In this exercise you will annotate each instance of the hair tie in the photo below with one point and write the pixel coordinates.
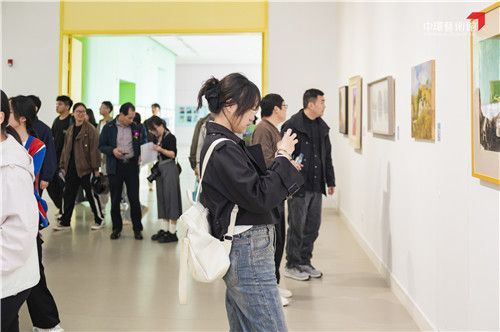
(212, 97)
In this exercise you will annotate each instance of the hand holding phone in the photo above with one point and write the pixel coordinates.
(299, 159)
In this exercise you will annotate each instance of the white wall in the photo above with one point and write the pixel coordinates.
(30, 36)
(302, 56)
(415, 203)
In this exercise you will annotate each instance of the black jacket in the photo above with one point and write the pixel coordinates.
(296, 123)
(107, 143)
(49, 166)
(237, 174)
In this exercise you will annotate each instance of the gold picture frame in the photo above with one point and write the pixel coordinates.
(485, 96)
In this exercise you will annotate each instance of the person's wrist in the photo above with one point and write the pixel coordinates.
(284, 153)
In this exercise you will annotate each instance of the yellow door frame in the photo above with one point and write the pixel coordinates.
(242, 21)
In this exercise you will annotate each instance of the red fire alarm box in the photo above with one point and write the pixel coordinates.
(10, 62)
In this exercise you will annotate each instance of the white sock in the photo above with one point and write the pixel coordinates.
(172, 228)
(164, 224)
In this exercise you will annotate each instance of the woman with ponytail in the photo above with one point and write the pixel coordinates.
(18, 224)
(41, 304)
(23, 110)
(236, 175)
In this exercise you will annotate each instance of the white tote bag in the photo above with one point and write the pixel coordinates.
(206, 257)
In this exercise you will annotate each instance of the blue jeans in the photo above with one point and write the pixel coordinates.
(253, 301)
(304, 219)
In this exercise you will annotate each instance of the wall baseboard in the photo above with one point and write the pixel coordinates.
(402, 295)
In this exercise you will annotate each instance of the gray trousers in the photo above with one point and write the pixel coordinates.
(304, 220)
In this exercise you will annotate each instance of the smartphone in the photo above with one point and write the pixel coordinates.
(299, 158)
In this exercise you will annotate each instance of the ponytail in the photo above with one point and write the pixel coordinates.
(23, 106)
(211, 91)
(233, 89)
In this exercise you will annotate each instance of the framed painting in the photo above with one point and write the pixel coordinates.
(354, 102)
(381, 106)
(423, 105)
(485, 96)
(343, 116)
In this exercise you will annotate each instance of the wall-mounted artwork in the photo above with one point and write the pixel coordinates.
(354, 100)
(343, 112)
(423, 106)
(485, 96)
(381, 106)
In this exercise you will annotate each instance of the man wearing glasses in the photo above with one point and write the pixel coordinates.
(273, 112)
(121, 141)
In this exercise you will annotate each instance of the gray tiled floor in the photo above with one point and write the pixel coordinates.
(125, 285)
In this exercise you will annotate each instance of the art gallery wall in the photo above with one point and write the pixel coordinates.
(414, 203)
(34, 47)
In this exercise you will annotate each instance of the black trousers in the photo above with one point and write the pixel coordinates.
(280, 239)
(10, 310)
(55, 190)
(71, 189)
(126, 173)
(41, 304)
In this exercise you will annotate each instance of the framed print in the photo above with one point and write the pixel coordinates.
(354, 100)
(485, 96)
(423, 106)
(343, 116)
(381, 106)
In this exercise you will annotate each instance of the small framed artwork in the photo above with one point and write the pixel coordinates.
(423, 105)
(354, 102)
(343, 116)
(381, 106)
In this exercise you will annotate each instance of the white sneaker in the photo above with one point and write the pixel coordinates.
(60, 227)
(285, 301)
(56, 328)
(285, 292)
(97, 226)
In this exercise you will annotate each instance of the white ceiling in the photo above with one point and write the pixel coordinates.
(243, 48)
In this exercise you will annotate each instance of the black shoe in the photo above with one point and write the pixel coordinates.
(168, 237)
(156, 236)
(115, 235)
(138, 235)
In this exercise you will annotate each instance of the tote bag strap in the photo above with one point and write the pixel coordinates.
(205, 163)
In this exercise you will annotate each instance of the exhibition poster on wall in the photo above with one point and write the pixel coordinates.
(485, 96)
(188, 116)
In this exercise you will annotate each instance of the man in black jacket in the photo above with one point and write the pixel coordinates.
(44, 133)
(59, 128)
(121, 141)
(304, 208)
